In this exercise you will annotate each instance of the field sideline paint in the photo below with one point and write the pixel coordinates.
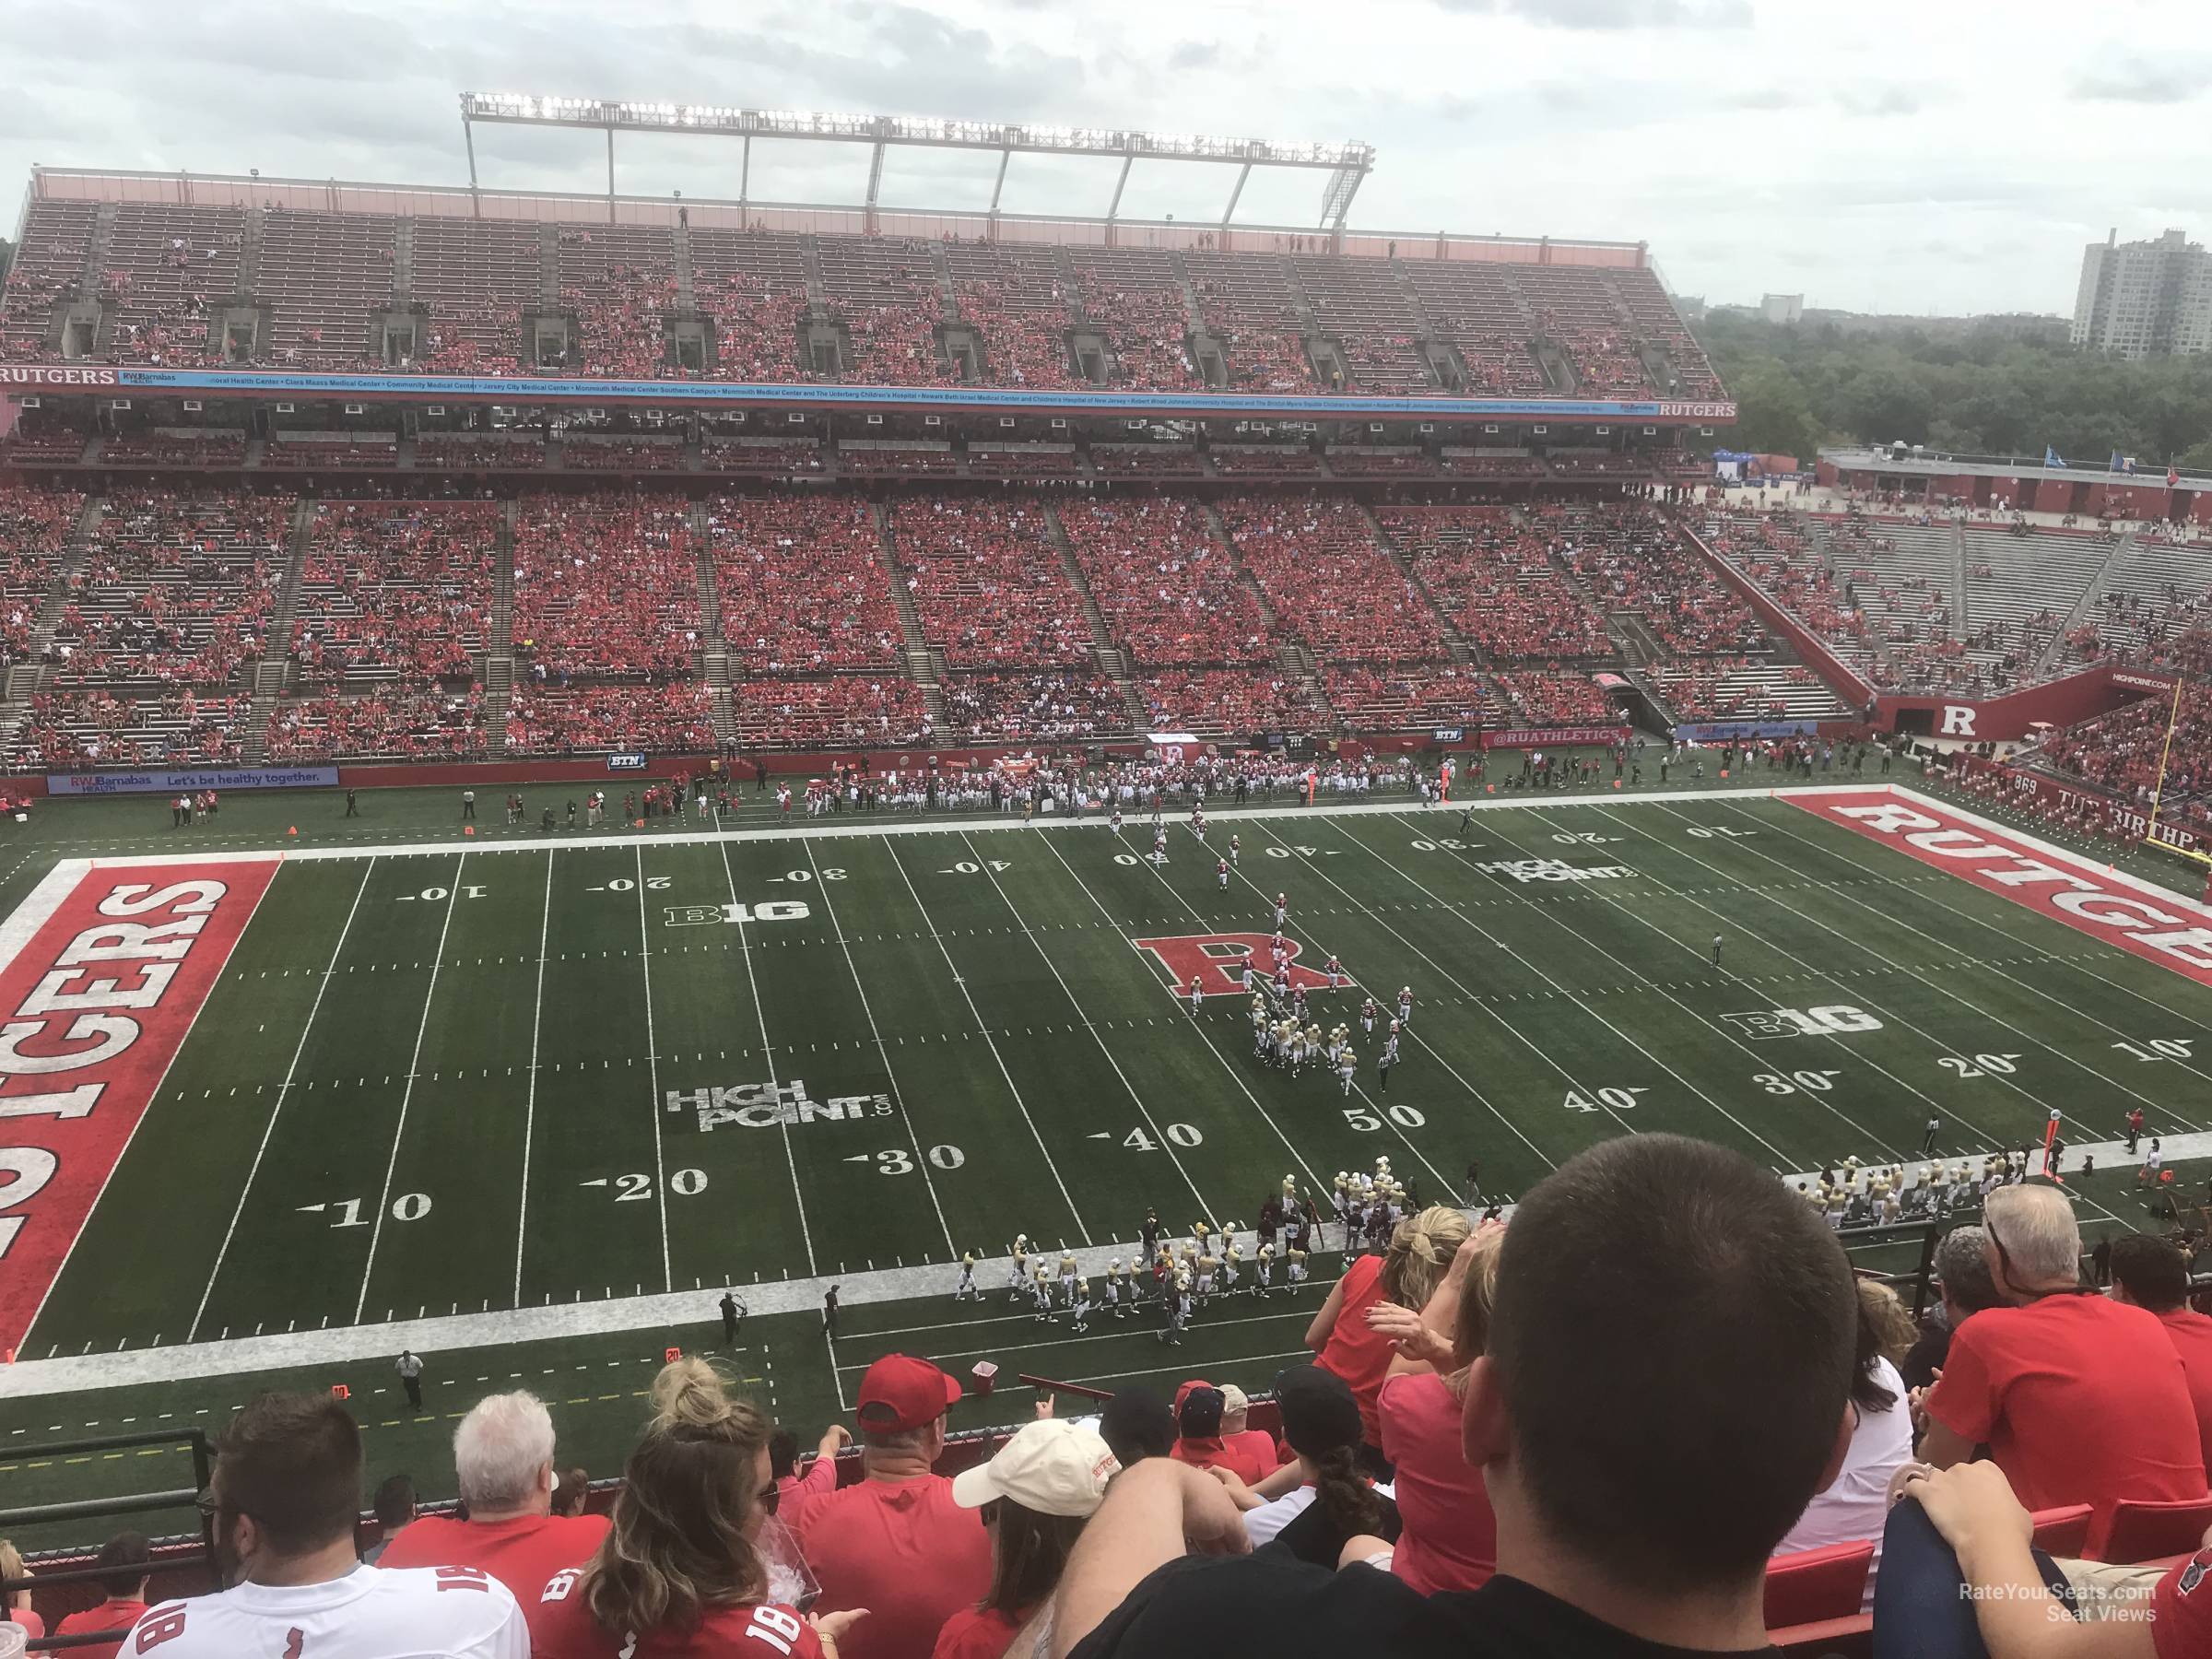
(94, 1007)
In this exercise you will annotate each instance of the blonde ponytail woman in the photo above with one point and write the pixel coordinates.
(680, 1574)
(1407, 1275)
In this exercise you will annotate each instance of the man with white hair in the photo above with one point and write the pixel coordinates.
(503, 1463)
(2080, 1400)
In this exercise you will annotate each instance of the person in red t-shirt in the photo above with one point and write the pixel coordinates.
(126, 1556)
(683, 1573)
(1344, 1342)
(1256, 1443)
(1200, 1442)
(1034, 1496)
(2079, 1400)
(896, 1542)
(1976, 1510)
(503, 1458)
(822, 1474)
(2149, 1273)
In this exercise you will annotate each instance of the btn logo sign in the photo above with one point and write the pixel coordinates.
(1217, 962)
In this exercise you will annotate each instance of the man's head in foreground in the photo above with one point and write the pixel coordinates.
(1666, 1378)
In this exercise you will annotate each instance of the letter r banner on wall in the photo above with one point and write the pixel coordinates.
(113, 963)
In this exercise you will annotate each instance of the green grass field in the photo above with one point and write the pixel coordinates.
(476, 1081)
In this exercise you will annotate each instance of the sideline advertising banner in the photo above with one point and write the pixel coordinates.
(192, 780)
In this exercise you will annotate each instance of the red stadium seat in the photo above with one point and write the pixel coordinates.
(2064, 1530)
(2141, 1531)
(1817, 1584)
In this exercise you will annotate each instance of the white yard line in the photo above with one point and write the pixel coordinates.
(1943, 991)
(768, 1058)
(406, 1095)
(1379, 1112)
(983, 1029)
(283, 1089)
(537, 1011)
(1266, 1117)
(160, 1084)
(1137, 1099)
(653, 1071)
(661, 1317)
(39, 905)
(1868, 1137)
(1849, 861)
(883, 1053)
(892, 825)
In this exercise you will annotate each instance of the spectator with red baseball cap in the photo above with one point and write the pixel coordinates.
(896, 1541)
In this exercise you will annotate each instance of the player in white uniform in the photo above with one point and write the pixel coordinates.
(1112, 1289)
(1082, 1305)
(1235, 847)
(1347, 1068)
(1368, 1015)
(1282, 910)
(1197, 995)
(1263, 1268)
(312, 1597)
(1198, 822)
(1405, 1006)
(1294, 1266)
(965, 1290)
(1159, 846)
(1222, 873)
(1020, 1281)
(1068, 1278)
(1231, 1256)
(1115, 823)
(1336, 971)
(1041, 1291)
(1298, 1002)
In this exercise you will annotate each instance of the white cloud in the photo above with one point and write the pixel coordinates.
(1753, 144)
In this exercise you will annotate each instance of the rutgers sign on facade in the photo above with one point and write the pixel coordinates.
(55, 374)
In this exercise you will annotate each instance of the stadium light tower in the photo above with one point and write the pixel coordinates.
(1346, 164)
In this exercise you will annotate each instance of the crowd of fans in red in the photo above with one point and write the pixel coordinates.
(606, 586)
(988, 584)
(674, 718)
(34, 526)
(1315, 556)
(1633, 558)
(847, 710)
(398, 722)
(1170, 592)
(1496, 580)
(400, 586)
(803, 581)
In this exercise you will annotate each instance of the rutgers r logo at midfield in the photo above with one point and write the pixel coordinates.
(1217, 960)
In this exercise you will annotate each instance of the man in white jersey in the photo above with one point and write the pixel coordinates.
(286, 1493)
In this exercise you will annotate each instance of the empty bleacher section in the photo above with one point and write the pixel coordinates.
(1134, 298)
(49, 267)
(167, 267)
(1247, 305)
(311, 287)
(1905, 577)
(884, 293)
(2020, 591)
(476, 279)
(752, 287)
(2151, 607)
(326, 277)
(1359, 305)
(1013, 297)
(1480, 312)
(176, 591)
(394, 591)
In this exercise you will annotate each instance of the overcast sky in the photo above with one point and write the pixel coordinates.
(1950, 155)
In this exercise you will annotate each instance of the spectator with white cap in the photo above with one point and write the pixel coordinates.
(1034, 1498)
(895, 1541)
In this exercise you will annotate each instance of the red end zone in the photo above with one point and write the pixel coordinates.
(92, 1010)
(2157, 925)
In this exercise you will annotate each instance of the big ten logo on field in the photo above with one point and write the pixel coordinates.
(1838, 1019)
(767, 1105)
(1553, 869)
(1217, 962)
(705, 915)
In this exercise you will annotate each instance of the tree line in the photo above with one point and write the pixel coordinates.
(1965, 390)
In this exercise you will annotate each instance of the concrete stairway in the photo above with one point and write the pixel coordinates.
(1110, 660)
(924, 664)
(273, 673)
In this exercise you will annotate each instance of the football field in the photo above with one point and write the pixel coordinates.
(536, 1087)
